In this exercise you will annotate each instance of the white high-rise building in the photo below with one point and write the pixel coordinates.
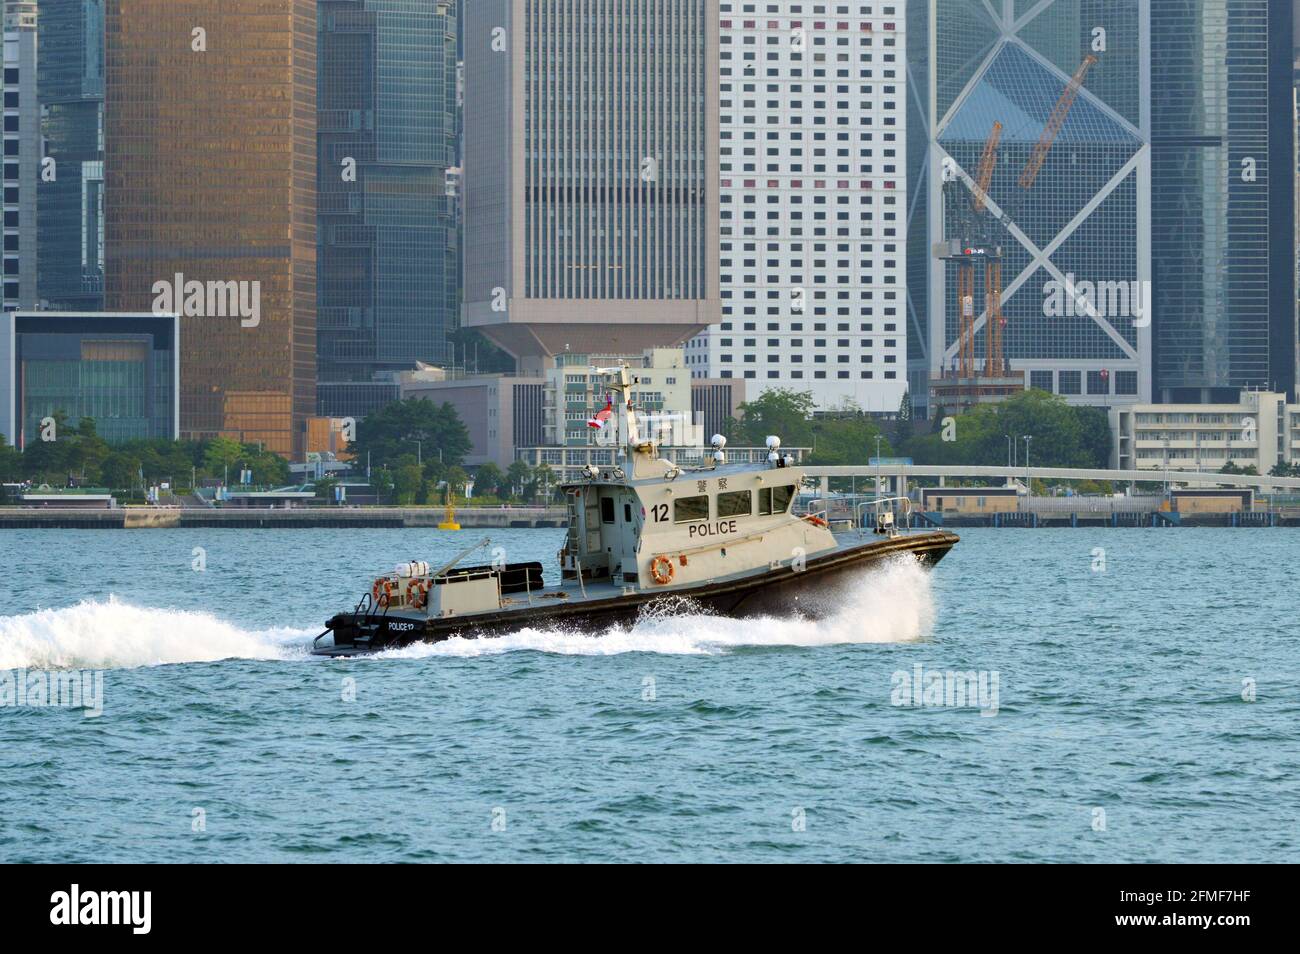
(813, 203)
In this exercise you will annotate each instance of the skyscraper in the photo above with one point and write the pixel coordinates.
(1083, 223)
(1222, 220)
(22, 156)
(389, 262)
(813, 183)
(71, 86)
(210, 202)
(591, 143)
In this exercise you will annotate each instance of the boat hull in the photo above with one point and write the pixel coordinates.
(810, 592)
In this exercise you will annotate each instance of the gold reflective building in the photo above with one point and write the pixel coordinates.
(210, 202)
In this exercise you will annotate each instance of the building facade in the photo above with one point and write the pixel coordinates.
(661, 391)
(813, 203)
(121, 370)
(1075, 243)
(1222, 222)
(210, 202)
(590, 174)
(389, 263)
(70, 271)
(1259, 429)
(500, 411)
(22, 156)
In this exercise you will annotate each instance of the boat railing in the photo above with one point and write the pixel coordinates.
(891, 528)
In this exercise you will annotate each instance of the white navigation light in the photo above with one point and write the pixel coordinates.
(719, 441)
(774, 443)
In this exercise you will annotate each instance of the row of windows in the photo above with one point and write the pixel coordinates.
(777, 374)
(737, 503)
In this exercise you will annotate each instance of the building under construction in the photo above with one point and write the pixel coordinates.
(974, 249)
(1067, 200)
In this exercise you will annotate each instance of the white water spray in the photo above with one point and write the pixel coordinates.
(890, 604)
(116, 635)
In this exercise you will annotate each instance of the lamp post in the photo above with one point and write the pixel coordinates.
(878, 439)
(1029, 480)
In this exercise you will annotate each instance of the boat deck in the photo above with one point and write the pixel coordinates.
(574, 592)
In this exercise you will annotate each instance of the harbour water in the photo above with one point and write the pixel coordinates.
(1124, 695)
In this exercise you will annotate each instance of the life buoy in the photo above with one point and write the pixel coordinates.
(661, 569)
(417, 592)
(385, 586)
(816, 521)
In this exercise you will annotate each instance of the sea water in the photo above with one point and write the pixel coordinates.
(1042, 695)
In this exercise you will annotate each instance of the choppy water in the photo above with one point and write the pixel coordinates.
(1112, 699)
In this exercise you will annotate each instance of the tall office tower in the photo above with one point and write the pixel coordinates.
(210, 202)
(814, 190)
(1222, 222)
(1075, 243)
(70, 273)
(388, 274)
(591, 142)
(22, 155)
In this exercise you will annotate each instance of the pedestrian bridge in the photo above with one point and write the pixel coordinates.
(903, 473)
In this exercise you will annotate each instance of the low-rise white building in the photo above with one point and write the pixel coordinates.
(1261, 430)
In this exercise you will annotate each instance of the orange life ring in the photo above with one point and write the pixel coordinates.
(417, 591)
(816, 521)
(385, 584)
(661, 569)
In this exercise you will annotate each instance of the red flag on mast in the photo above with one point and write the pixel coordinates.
(601, 417)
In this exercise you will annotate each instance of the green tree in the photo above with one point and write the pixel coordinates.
(11, 462)
(411, 426)
(46, 461)
(1061, 435)
(408, 483)
(519, 475)
(489, 480)
(383, 483)
(221, 456)
(780, 412)
(544, 479)
(456, 479)
(120, 470)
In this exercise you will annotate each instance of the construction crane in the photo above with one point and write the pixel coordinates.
(986, 249)
(988, 162)
(1055, 122)
(974, 245)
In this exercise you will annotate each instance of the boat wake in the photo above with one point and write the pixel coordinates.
(892, 603)
(116, 635)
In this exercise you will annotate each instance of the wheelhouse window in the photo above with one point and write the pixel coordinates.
(773, 500)
(737, 503)
(691, 509)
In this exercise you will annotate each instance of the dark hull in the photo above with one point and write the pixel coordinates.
(809, 593)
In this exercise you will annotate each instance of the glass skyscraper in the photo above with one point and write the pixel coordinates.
(71, 88)
(388, 241)
(119, 370)
(210, 185)
(1086, 216)
(1222, 221)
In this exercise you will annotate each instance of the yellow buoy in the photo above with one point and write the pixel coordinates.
(449, 515)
